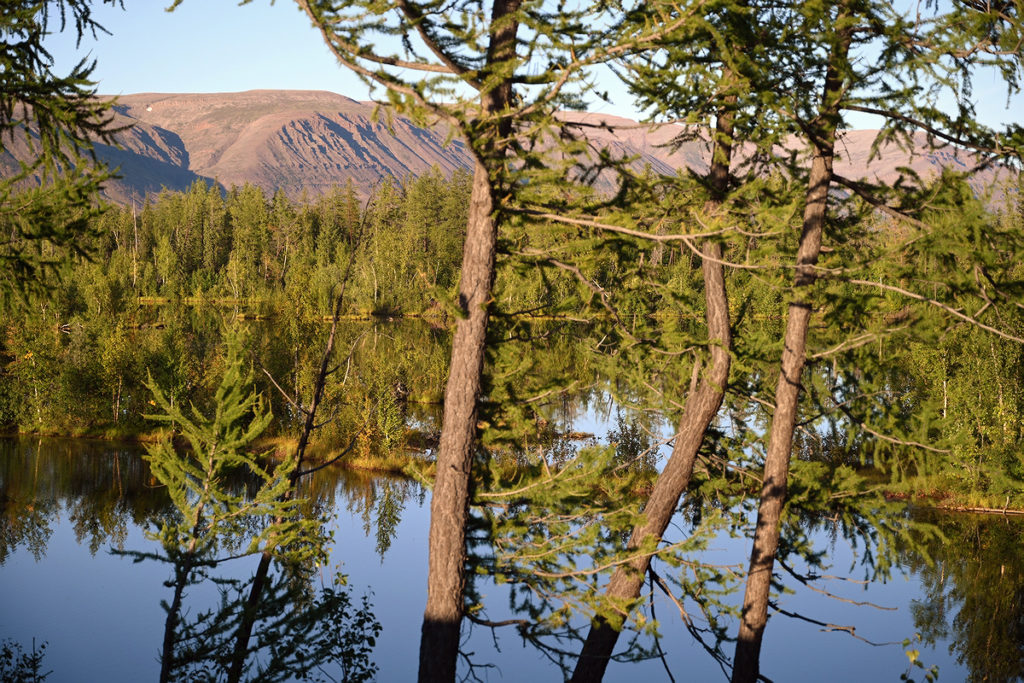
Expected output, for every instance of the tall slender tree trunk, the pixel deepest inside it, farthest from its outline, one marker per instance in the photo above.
(449, 504)
(787, 393)
(701, 406)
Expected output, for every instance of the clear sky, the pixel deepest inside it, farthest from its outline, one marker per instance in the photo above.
(219, 46)
(208, 46)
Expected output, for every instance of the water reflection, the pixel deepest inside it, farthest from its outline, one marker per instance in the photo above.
(66, 502)
(974, 596)
(307, 624)
(100, 489)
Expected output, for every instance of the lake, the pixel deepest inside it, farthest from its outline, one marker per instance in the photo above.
(68, 503)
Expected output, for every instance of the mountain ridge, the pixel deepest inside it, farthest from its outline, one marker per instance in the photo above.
(305, 142)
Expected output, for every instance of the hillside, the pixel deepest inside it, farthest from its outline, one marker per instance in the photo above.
(293, 140)
(309, 141)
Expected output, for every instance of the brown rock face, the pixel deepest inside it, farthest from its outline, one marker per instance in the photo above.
(293, 140)
(310, 141)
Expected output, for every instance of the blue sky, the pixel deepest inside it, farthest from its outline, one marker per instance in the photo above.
(219, 46)
(208, 46)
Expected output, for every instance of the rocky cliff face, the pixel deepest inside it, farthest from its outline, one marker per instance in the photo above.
(309, 141)
(296, 141)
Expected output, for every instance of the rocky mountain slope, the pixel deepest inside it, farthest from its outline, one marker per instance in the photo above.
(309, 141)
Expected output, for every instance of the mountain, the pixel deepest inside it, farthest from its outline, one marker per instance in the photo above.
(672, 147)
(149, 159)
(310, 141)
(296, 141)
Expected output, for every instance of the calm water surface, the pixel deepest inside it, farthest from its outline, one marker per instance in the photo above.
(67, 504)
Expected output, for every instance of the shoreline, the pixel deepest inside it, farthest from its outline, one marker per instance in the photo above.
(404, 464)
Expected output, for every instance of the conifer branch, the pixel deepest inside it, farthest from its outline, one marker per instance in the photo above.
(715, 652)
(997, 149)
(599, 291)
(284, 394)
(938, 304)
(537, 484)
(891, 439)
(328, 463)
(418, 20)
(349, 55)
(857, 342)
(860, 189)
(607, 565)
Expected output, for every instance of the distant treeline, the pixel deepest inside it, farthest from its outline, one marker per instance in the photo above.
(164, 280)
(404, 242)
(243, 245)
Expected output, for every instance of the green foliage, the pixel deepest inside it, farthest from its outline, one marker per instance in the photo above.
(301, 633)
(554, 532)
(47, 202)
(218, 444)
(296, 627)
(970, 594)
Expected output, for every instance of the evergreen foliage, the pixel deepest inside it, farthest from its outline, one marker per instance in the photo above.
(218, 444)
(18, 666)
(46, 204)
(296, 626)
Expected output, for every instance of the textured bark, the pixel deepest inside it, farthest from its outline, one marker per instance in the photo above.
(746, 666)
(701, 406)
(700, 409)
(449, 505)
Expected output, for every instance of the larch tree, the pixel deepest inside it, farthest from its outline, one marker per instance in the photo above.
(676, 75)
(809, 65)
(493, 72)
(51, 122)
(864, 57)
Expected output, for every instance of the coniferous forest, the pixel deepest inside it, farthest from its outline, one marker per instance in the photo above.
(786, 351)
(162, 282)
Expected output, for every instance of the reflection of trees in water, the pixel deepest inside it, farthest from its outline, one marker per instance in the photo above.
(376, 498)
(106, 489)
(303, 626)
(277, 625)
(19, 666)
(555, 532)
(301, 629)
(25, 524)
(101, 488)
(556, 536)
(51, 477)
(974, 594)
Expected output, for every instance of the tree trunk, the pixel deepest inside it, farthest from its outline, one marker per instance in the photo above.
(787, 393)
(701, 406)
(449, 505)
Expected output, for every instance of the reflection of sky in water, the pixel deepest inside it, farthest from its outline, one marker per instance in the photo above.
(102, 618)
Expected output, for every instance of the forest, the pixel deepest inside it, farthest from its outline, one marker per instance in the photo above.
(164, 281)
(814, 346)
